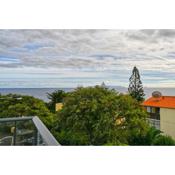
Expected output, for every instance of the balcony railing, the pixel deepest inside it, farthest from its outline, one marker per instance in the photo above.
(25, 131)
(155, 116)
(154, 122)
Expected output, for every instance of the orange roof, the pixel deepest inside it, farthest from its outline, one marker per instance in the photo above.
(162, 102)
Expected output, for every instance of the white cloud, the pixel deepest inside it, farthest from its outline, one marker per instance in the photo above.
(108, 54)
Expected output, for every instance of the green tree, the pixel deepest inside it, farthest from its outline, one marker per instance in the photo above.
(55, 97)
(135, 86)
(13, 105)
(99, 116)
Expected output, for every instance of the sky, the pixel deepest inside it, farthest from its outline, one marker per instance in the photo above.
(71, 58)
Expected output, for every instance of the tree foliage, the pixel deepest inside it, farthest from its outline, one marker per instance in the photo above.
(13, 105)
(153, 137)
(150, 135)
(90, 116)
(135, 86)
(98, 116)
(164, 140)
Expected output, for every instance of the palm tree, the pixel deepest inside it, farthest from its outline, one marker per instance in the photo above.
(164, 140)
(55, 97)
(152, 135)
(146, 139)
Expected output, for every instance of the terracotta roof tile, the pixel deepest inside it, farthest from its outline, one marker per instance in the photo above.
(163, 101)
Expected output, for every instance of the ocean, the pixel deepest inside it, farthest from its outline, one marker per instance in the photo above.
(41, 93)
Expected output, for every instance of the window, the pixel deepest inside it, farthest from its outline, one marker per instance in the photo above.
(158, 110)
(148, 109)
(153, 110)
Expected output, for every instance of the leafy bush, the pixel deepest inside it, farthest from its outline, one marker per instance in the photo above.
(153, 137)
(164, 140)
(146, 139)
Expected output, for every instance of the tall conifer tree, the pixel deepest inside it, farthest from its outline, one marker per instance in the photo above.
(135, 86)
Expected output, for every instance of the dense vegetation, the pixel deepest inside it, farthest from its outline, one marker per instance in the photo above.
(99, 116)
(13, 105)
(90, 116)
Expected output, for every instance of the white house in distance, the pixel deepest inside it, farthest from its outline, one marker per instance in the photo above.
(162, 112)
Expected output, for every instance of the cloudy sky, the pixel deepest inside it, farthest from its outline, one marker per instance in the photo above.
(67, 58)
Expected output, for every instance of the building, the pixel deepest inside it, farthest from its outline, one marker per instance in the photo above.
(58, 106)
(162, 112)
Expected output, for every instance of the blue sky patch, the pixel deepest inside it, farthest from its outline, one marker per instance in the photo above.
(7, 60)
(33, 46)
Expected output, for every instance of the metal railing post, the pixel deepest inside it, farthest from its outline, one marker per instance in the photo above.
(14, 135)
(36, 137)
(47, 137)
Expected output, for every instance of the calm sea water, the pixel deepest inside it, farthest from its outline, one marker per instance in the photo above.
(41, 93)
